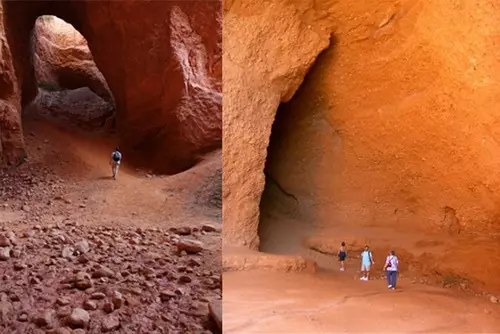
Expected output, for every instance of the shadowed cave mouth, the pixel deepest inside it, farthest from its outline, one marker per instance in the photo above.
(71, 91)
(279, 207)
(288, 203)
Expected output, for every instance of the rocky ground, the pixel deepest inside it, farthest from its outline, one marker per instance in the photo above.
(64, 276)
(67, 273)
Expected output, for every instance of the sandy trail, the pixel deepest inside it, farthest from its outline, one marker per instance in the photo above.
(270, 302)
(135, 198)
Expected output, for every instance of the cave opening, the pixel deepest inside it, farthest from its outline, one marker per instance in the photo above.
(295, 155)
(302, 172)
(71, 90)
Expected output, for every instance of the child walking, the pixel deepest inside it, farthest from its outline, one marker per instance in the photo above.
(366, 263)
(342, 254)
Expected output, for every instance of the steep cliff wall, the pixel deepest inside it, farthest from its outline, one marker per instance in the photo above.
(268, 48)
(161, 61)
(397, 124)
(392, 138)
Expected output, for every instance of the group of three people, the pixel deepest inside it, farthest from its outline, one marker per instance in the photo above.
(391, 266)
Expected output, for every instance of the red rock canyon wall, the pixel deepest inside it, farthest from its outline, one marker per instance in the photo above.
(161, 61)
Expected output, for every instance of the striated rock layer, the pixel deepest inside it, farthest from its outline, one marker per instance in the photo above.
(263, 63)
(161, 61)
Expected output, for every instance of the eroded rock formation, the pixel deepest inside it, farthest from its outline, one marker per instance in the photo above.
(62, 58)
(396, 124)
(263, 65)
(394, 127)
(161, 61)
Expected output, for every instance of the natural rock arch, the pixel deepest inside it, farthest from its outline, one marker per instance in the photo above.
(160, 59)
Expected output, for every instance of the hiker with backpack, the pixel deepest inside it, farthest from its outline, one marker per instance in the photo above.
(391, 268)
(366, 263)
(116, 158)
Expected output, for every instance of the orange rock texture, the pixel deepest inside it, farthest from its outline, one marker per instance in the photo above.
(161, 60)
(268, 48)
(395, 125)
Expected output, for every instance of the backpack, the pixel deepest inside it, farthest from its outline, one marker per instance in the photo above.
(117, 156)
(391, 258)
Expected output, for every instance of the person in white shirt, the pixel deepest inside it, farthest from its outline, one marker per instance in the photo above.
(391, 268)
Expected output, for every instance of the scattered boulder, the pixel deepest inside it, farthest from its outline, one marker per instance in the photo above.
(166, 295)
(22, 317)
(63, 301)
(12, 237)
(82, 280)
(110, 323)
(103, 272)
(67, 252)
(117, 299)
(43, 319)
(20, 266)
(97, 295)
(108, 307)
(190, 246)
(63, 312)
(82, 246)
(4, 253)
(90, 305)
(185, 230)
(208, 228)
(29, 234)
(79, 318)
(4, 241)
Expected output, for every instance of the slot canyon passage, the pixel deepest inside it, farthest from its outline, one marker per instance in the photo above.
(369, 123)
(80, 252)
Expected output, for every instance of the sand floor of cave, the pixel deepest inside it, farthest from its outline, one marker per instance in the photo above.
(270, 302)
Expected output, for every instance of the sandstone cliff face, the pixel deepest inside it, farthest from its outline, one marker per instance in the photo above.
(161, 61)
(395, 125)
(268, 48)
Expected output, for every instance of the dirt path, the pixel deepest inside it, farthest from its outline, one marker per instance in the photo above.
(269, 302)
(137, 232)
(82, 161)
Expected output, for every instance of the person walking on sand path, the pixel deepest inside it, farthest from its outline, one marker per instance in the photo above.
(366, 263)
(116, 158)
(391, 268)
(342, 254)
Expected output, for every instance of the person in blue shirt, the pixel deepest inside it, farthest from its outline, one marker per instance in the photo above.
(366, 263)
